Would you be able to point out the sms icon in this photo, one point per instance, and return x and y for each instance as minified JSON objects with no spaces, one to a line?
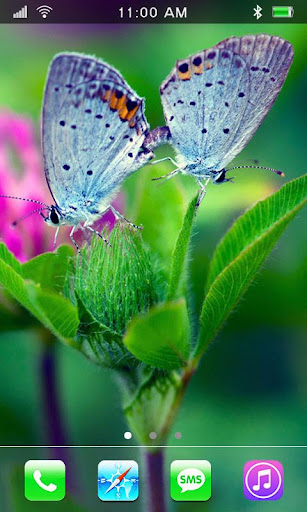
{"x":190,"y":480}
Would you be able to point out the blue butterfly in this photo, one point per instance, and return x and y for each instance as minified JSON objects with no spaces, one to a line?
{"x":93,"y":130}
{"x":215,"y":100}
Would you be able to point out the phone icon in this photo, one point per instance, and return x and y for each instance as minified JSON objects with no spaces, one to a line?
{"x":37,"y":477}
{"x":44,"y":480}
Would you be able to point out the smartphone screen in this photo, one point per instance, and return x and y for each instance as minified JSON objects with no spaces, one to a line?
{"x":153,"y":256}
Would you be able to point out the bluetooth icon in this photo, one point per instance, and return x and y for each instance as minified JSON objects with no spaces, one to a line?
{"x":257,"y":11}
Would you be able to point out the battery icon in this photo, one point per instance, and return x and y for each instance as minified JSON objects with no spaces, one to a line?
{"x":282,"y":11}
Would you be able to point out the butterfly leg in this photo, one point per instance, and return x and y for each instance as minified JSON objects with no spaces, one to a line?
{"x":202,"y":192}
{"x":119,"y":215}
{"x":98,"y":234}
{"x":55,"y":237}
{"x":167,"y":176}
{"x":163,"y":160}
{"x":71,"y":236}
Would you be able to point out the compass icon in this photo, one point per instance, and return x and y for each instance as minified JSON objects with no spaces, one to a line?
{"x":118,"y":480}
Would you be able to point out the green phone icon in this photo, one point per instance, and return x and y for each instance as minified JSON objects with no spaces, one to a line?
{"x":44,"y":480}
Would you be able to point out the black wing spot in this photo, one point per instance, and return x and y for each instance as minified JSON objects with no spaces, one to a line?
{"x":197,"y":61}
{"x":192,"y":103}
{"x":241,"y":94}
{"x":99,"y":116}
{"x":62,"y":123}
{"x":126,"y":137}
{"x":107,"y":125}
{"x":226,"y":104}
{"x":89,"y":173}
{"x":131,"y":105}
{"x":254,"y":68}
{"x":118,"y":94}
{"x":226,"y":130}
{"x":265,"y":70}
{"x":208,"y":84}
{"x":73,"y":126}
{"x":272,"y":79}
{"x":88,"y":111}
{"x":131,"y":139}
{"x":66,"y":167}
{"x":56,"y":89}
{"x":211,"y":55}
{"x":238,"y":63}
{"x":106,"y":87}
{"x":220,"y":82}
{"x":130,"y":155}
{"x":181,"y":102}
{"x":204,"y":130}
{"x":69,"y":86}
{"x":111,"y":137}
{"x":183,"y":68}
{"x":225,"y":55}
{"x":171,"y":118}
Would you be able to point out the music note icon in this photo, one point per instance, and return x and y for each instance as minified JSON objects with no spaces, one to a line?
{"x":263,"y":480}
{"x":262,"y":474}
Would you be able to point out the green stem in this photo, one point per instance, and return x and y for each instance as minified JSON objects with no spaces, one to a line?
{"x":154,"y":459}
{"x":186,"y":376}
{"x":155,"y":407}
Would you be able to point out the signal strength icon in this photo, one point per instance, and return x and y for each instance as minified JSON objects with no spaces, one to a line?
{"x":44,"y":10}
{"x":23,"y":13}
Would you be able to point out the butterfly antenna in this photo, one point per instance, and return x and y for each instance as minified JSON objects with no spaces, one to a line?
{"x":14,"y":224}
{"x":280,"y":173}
{"x":25,"y":199}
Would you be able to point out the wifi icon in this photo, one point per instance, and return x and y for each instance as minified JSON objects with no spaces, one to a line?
{"x":44,"y":10}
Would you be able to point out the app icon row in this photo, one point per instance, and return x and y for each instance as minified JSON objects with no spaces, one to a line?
{"x":118,"y":480}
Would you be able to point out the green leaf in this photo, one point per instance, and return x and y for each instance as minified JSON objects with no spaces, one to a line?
{"x":56,"y":312}
{"x":161,"y":337}
{"x":177,"y":285}
{"x":9,"y":258}
{"x":100,"y":344}
{"x":150,"y":408}
{"x":241,"y":253}
{"x":52,"y":309}
{"x":49,"y":269}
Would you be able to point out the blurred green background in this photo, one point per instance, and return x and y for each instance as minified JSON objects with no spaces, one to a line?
{"x":251,"y":388}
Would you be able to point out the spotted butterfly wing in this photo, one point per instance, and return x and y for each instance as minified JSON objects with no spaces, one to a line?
{"x":215,"y":100}
{"x":92,"y":132}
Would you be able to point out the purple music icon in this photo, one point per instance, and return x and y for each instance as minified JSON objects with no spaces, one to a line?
{"x":263,"y":480}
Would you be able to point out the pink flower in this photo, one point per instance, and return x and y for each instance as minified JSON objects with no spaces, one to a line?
{"x":22,"y":175}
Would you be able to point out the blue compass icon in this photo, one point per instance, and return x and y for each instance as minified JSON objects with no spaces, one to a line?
{"x":118,"y":480}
